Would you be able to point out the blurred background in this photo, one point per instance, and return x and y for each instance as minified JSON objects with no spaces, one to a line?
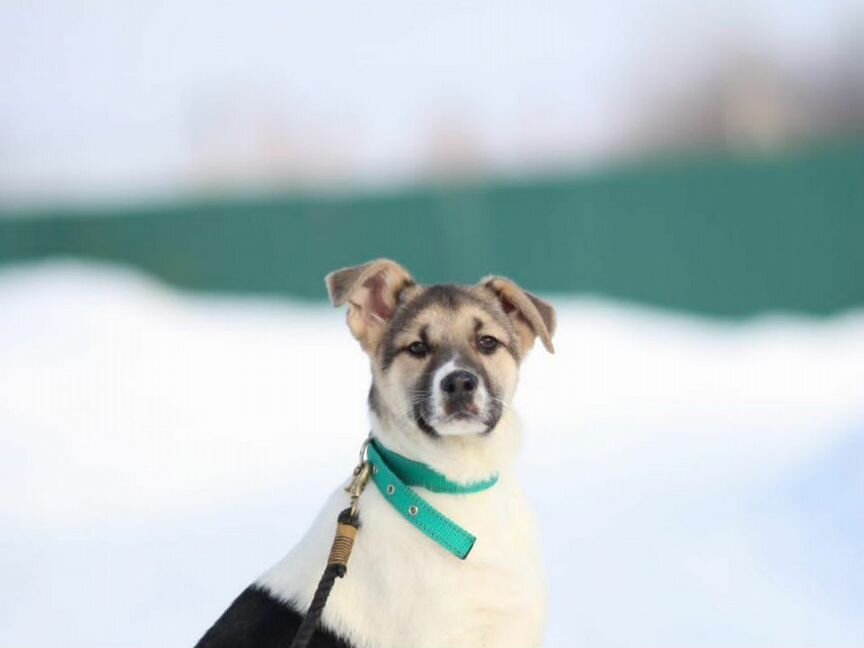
{"x":684,"y":181}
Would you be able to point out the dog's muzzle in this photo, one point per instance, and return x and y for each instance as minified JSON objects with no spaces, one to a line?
{"x":458,"y":402}
{"x":458,"y":390}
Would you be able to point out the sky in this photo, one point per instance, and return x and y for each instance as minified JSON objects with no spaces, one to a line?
{"x":698,"y":483}
{"x":108,"y":99}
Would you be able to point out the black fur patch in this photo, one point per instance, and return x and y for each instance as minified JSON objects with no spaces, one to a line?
{"x":496,"y":408}
{"x":424,"y":387}
{"x":258,"y":620}
{"x":373,"y":399}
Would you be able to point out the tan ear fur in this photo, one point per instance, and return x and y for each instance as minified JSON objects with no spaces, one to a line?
{"x":371,"y":291}
{"x":532,"y":316}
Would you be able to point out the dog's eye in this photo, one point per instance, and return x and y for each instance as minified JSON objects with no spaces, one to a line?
{"x":418,"y":349}
{"x":487,"y":344}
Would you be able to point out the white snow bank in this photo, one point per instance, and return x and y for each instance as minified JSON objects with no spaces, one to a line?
{"x":152,"y":442}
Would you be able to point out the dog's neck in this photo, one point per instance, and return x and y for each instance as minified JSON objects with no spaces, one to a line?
{"x":463,"y":459}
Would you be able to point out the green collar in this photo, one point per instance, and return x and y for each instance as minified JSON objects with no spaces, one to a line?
{"x":394,"y":475}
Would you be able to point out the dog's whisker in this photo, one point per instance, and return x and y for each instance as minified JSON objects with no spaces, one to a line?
{"x":504,"y":404}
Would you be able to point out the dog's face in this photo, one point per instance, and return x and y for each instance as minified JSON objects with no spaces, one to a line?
{"x":445,"y":359}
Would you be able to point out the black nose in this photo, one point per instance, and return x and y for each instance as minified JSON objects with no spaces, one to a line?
{"x":459,"y":384}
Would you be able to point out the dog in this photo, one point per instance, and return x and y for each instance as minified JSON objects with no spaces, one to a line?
{"x":445,"y":362}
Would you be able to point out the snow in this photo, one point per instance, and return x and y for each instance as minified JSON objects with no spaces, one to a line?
{"x":698,"y":483}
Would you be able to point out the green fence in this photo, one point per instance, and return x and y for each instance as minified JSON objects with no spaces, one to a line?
{"x":726,"y":236}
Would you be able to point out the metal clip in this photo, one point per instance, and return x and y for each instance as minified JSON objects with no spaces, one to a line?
{"x":363,"y":453}
{"x":355,"y":488}
{"x":361,"y":477}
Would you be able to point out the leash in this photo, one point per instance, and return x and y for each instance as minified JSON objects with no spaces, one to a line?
{"x":347,"y":526}
{"x":394,"y":475}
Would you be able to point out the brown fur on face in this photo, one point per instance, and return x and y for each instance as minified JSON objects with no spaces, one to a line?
{"x":389,"y":312}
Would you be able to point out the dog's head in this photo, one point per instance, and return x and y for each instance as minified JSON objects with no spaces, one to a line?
{"x":445,"y":359}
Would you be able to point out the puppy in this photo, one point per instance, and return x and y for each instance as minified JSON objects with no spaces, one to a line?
{"x":450,"y":559}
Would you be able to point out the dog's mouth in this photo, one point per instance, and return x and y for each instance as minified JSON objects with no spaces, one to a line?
{"x":461,"y":416}
{"x":464,"y":421}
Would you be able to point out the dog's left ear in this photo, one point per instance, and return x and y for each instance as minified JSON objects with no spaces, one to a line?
{"x":371,"y":291}
{"x":531,"y":316}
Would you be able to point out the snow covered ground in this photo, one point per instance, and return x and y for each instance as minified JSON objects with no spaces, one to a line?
{"x":699,"y":483}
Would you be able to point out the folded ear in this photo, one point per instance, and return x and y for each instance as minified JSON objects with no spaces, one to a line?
{"x":371,"y":291}
{"x":531,"y":316}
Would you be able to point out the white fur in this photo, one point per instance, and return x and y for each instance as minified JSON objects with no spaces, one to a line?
{"x":404,"y":591}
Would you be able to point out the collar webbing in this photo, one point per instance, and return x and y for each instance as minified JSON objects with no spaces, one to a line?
{"x":394,"y":475}
{"x":415,"y":473}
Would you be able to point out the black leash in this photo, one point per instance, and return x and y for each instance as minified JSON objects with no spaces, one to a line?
{"x":337,"y":565}
{"x":347,"y":526}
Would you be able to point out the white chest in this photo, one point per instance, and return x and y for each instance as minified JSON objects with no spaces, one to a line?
{"x":404,"y":591}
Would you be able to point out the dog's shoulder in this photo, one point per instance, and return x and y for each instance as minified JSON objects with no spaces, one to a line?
{"x":256,"y":619}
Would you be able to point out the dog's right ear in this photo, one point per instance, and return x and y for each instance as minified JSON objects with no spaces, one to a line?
{"x":371,"y":291}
